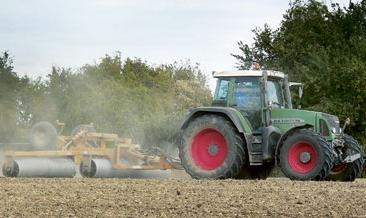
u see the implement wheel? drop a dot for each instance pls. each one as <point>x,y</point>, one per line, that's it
<point>212,148</point>
<point>348,171</point>
<point>43,136</point>
<point>306,155</point>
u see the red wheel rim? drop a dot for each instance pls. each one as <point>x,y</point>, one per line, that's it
<point>209,149</point>
<point>295,160</point>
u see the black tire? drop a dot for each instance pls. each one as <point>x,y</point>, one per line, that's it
<point>86,128</point>
<point>192,150</point>
<point>348,171</point>
<point>43,136</point>
<point>317,156</point>
<point>261,172</point>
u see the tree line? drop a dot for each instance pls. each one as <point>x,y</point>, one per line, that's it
<point>129,97</point>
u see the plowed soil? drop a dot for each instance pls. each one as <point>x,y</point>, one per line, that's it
<point>29,197</point>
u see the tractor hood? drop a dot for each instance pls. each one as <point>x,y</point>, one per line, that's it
<point>325,124</point>
<point>285,119</point>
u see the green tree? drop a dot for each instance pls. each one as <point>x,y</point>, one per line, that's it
<point>324,47</point>
<point>9,86</point>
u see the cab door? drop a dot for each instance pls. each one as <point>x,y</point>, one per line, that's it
<point>247,99</point>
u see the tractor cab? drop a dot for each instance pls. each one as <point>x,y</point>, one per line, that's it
<point>252,93</point>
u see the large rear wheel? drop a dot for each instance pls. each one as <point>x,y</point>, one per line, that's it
<point>306,155</point>
<point>348,171</point>
<point>212,148</point>
<point>43,136</point>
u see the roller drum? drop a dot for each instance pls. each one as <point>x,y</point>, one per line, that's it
<point>39,167</point>
<point>142,174</point>
<point>98,168</point>
<point>102,168</point>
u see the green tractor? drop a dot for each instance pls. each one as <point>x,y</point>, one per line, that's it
<point>252,126</point>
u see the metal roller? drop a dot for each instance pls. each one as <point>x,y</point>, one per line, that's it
<point>97,168</point>
<point>39,167</point>
<point>142,174</point>
<point>102,168</point>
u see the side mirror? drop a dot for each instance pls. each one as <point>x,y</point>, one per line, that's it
<point>300,91</point>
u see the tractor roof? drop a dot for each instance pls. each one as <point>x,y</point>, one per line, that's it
<point>244,73</point>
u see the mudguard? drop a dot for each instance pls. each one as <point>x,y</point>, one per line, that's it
<point>239,121</point>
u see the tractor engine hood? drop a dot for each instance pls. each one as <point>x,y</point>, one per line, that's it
<point>325,124</point>
<point>288,118</point>
<point>285,119</point>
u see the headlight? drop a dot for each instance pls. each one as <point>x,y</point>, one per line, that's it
<point>333,123</point>
<point>334,130</point>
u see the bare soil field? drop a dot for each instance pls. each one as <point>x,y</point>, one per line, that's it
<point>80,197</point>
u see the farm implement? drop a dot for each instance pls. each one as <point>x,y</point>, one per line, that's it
<point>93,154</point>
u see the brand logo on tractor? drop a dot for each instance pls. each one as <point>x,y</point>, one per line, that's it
<point>288,121</point>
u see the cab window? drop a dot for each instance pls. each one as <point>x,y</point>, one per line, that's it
<point>222,90</point>
<point>275,93</point>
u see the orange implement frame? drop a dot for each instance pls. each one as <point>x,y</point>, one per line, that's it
<point>83,146</point>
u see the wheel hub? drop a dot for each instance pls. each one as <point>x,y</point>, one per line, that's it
<point>213,149</point>
<point>209,149</point>
<point>302,157</point>
<point>305,157</point>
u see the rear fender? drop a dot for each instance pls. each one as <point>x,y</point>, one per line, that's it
<point>239,121</point>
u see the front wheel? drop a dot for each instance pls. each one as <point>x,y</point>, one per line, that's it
<point>212,148</point>
<point>306,155</point>
<point>348,171</point>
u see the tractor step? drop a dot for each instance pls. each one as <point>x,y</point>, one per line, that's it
<point>256,155</point>
<point>256,158</point>
<point>257,143</point>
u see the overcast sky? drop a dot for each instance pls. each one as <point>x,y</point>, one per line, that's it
<point>71,33</point>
